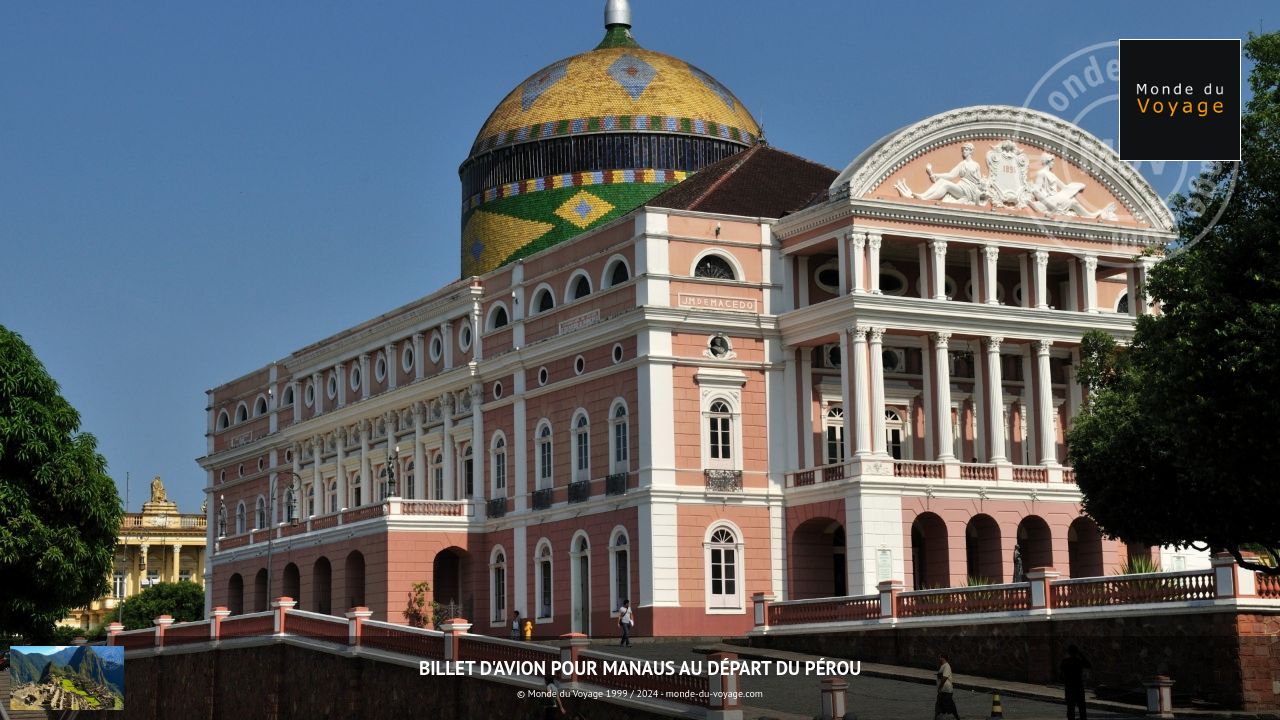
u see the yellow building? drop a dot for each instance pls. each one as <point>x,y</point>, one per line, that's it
<point>156,545</point>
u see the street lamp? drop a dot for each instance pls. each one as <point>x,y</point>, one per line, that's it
<point>272,524</point>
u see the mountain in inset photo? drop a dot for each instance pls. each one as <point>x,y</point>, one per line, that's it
<point>69,677</point>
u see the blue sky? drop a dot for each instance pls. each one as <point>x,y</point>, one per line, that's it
<point>189,191</point>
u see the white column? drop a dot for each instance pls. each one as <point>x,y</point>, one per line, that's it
<point>873,261</point>
<point>929,400</point>
<point>1131,282</point>
<point>975,274</point>
<point>1144,298</point>
<point>1073,286</point>
<point>446,337</point>
<point>848,401</point>
<point>1027,409</point>
<point>339,374</point>
<point>990,255</point>
<point>297,401</point>
<point>477,344</point>
<point>862,428</point>
<point>995,400</point>
<point>1024,278</point>
<point>177,556</point>
<point>365,378</point>
<point>478,445</point>
<point>842,264</point>
<point>804,418</point>
<point>1089,265</point>
<point>978,402</point>
<point>317,391</point>
<point>939,248</point>
<point>300,492</point>
<point>857,248</point>
<point>393,365</point>
<point>419,455</point>
<point>418,365</point>
<point>1042,279</point>
<point>942,424</point>
<point>877,391</point>
<point>923,256</point>
<point>366,474</point>
<point>446,446</point>
<point>1044,402</point>
<point>340,442</point>
<point>322,496</point>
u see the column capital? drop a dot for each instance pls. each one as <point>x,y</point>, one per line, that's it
<point>991,252</point>
<point>417,337</point>
<point>1042,346</point>
<point>447,325</point>
<point>993,343</point>
<point>941,339</point>
<point>858,332</point>
<point>1090,262</point>
<point>1041,257</point>
<point>939,247</point>
<point>874,238</point>
<point>876,334</point>
<point>364,357</point>
<point>857,237</point>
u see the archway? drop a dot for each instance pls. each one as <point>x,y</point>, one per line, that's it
<point>447,579</point>
<point>580,600</point>
<point>322,586</point>
<point>292,584</point>
<point>818,560</point>
<point>1084,548</point>
<point>982,550</point>
<point>930,565</point>
<point>1035,543</point>
<point>260,591</point>
<point>355,579</point>
<point>235,594</point>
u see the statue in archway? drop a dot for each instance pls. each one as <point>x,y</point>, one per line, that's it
<point>1017,564</point>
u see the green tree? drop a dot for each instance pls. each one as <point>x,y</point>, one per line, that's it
<point>1178,444</point>
<point>183,601</point>
<point>59,511</point>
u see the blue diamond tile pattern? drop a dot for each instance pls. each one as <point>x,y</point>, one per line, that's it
<point>538,84</point>
<point>633,74</point>
<point>714,85</point>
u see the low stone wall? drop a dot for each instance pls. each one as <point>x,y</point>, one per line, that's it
<point>284,682</point>
<point>1229,658</point>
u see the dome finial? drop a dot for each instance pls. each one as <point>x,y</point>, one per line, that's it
<point>617,12</point>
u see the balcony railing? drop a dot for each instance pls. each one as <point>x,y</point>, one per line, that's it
<point>725,481</point>
<point>495,507</point>
<point>542,499</point>
<point>616,484</point>
<point>919,469</point>
<point>579,491</point>
<point>1030,473</point>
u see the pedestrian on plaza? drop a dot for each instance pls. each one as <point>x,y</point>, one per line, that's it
<point>946,702</point>
<point>1074,667</point>
<point>626,619</point>
<point>515,625</point>
<point>554,707</point>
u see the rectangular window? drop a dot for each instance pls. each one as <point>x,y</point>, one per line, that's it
<point>468,475</point>
<point>500,470</point>
<point>184,576</point>
<point>117,585</point>
<point>620,444</point>
<point>499,593</point>
<point>439,482</point>
<point>153,578</point>
<point>720,438</point>
<point>544,605</point>
<point>544,465</point>
<point>620,569</point>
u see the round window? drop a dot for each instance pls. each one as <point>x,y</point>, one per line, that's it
<point>579,365</point>
<point>406,358</point>
<point>827,276</point>
<point>333,386</point>
<point>380,368</point>
<point>309,395</point>
<point>833,356</point>
<point>542,376</point>
<point>355,378</point>
<point>617,353</point>
<point>497,390</point>
<point>437,348</point>
<point>892,282</point>
<point>464,338</point>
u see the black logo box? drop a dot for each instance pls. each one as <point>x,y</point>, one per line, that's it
<point>1155,74</point>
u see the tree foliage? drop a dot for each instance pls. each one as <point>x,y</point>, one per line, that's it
<point>1179,442</point>
<point>59,511</point>
<point>183,601</point>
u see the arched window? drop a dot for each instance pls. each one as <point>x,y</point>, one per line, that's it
<point>579,287</point>
<point>498,584</point>
<point>288,394</point>
<point>260,407</point>
<point>468,473</point>
<point>1122,305</point>
<point>498,317</point>
<point>290,497</point>
<point>410,482</point>
<point>895,431</point>
<point>723,561</point>
<point>311,500</point>
<point>544,456</point>
<point>499,464</point>
<point>581,448</point>
<point>834,432</point>
<point>240,519</point>
<point>224,420</point>
<point>620,453</point>
<point>242,413</point>
<point>357,490</point>
<point>260,515</point>
<point>619,569</point>
<point>714,267</point>
<point>333,496</point>
<point>437,476</point>
<point>380,490</point>
<point>543,580</point>
<point>543,301</point>
<point>617,273</point>
<point>720,434</point>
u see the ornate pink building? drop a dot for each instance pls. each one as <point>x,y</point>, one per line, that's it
<point>686,367</point>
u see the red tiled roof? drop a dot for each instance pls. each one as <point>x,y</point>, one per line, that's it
<point>757,182</point>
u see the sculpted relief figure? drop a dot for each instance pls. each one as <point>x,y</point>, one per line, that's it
<point>964,184</point>
<point>1056,197</point>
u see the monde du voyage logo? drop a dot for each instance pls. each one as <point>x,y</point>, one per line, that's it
<point>1180,100</point>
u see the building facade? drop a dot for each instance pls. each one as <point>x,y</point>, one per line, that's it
<point>156,545</point>
<point>749,373</point>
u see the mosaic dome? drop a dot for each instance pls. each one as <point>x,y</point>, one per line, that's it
<point>588,139</point>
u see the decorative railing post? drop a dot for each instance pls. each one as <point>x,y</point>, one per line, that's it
<point>282,606</point>
<point>1159,697</point>
<point>220,613</point>
<point>454,629</point>
<point>834,698</point>
<point>571,647</point>
<point>1041,580</point>
<point>355,623</point>
<point>889,590</point>
<point>761,601</point>
<point>113,630</point>
<point>1229,581</point>
<point>723,703</point>
<point>162,622</point>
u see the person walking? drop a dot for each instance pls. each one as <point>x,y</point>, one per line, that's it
<point>1073,670</point>
<point>515,625</point>
<point>626,619</point>
<point>946,702</point>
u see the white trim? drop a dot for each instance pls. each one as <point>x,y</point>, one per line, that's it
<point>738,274</point>
<point>497,618</point>
<point>538,557</point>
<point>607,275</point>
<point>466,336</point>
<point>435,346</point>
<point>614,465</point>
<point>739,566</point>
<point>242,413</point>
<point>568,286</point>
<point>887,268</point>
<point>576,434</point>
<point>579,621</point>
<point>495,491</point>
<point>493,309</point>
<point>614,601</point>
<point>533,299</point>
<point>539,478</point>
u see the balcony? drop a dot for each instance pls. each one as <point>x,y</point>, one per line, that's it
<point>495,507</point>
<point>723,481</point>
<point>931,471</point>
<point>542,499</point>
<point>457,511</point>
<point>616,484</point>
<point>579,491</point>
